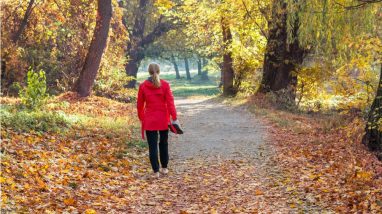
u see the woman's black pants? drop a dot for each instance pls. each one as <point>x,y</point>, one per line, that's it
<point>152,139</point>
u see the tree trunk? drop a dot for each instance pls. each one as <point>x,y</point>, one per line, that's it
<point>373,136</point>
<point>204,71</point>
<point>138,41</point>
<point>24,22</point>
<point>281,58</point>
<point>188,74</point>
<point>221,66</point>
<point>204,62</point>
<point>131,68</point>
<point>3,69</point>
<point>134,49</point>
<point>132,71</point>
<point>96,49</point>
<point>199,66</point>
<point>228,72</point>
<point>204,75</point>
<point>173,60</point>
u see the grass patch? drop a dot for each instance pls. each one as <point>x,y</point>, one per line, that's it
<point>137,143</point>
<point>195,90</point>
<point>118,129</point>
<point>108,124</point>
<point>37,120</point>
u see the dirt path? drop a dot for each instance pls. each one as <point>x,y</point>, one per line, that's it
<point>220,165</point>
<point>215,131</point>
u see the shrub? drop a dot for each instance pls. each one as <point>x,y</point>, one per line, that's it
<point>39,121</point>
<point>14,89</point>
<point>34,94</point>
<point>111,85</point>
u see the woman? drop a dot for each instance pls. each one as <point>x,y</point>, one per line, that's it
<point>155,106</point>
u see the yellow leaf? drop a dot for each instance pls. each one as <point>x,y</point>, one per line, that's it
<point>26,186</point>
<point>213,211</point>
<point>326,190</point>
<point>4,199</point>
<point>289,189</point>
<point>90,211</point>
<point>3,180</point>
<point>364,175</point>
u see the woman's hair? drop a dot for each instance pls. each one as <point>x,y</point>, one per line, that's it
<point>154,71</point>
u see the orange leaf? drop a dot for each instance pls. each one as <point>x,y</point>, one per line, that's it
<point>258,192</point>
<point>69,201</point>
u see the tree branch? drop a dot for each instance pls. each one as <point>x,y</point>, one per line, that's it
<point>254,19</point>
<point>362,3</point>
<point>159,30</point>
<point>24,22</point>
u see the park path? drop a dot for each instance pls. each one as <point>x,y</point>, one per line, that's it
<point>219,165</point>
<point>216,131</point>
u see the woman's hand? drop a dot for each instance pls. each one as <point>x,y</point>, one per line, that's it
<point>177,126</point>
<point>176,122</point>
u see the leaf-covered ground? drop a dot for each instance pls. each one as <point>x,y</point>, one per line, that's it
<point>299,164</point>
<point>82,169</point>
<point>323,159</point>
<point>330,169</point>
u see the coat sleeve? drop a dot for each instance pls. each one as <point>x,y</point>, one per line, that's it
<point>170,103</point>
<point>141,103</point>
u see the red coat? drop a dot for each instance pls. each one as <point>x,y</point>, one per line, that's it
<point>155,105</point>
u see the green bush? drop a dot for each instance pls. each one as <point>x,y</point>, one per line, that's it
<point>33,96</point>
<point>40,121</point>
